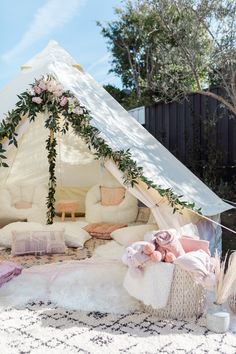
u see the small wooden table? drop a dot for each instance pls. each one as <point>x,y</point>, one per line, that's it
<point>67,206</point>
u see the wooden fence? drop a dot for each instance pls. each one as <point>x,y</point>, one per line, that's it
<point>196,130</point>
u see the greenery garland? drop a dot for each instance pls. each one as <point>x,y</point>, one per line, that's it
<point>47,96</point>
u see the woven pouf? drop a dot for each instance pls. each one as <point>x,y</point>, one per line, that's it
<point>186,298</point>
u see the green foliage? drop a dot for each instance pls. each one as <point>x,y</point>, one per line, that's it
<point>51,99</point>
<point>51,144</point>
<point>127,98</point>
<point>164,49</point>
<point>144,42</point>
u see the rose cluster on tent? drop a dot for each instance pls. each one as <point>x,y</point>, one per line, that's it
<point>83,181</point>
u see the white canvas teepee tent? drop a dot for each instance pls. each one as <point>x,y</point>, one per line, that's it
<point>117,127</point>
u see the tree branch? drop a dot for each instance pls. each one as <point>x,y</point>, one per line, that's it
<point>220,99</point>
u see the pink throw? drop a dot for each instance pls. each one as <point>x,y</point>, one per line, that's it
<point>168,240</point>
<point>200,266</point>
<point>8,270</point>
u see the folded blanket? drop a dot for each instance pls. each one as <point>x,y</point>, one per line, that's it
<point>200,266</point>
<point>103,231</point>
<point>189,244</point>
<point>8,270</point>
<point>168,240</point>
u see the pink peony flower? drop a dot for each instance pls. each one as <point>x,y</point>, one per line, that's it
<point>42,85</point>
<point>63,101</point>
<point>37,100</point>
<point>52,86</point>
<point>37,89</point>
<point>57,93</point>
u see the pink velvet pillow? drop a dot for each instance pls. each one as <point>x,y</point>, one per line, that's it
<point>112,196</point>
<point>189,244</point>
<point>37,242</point>
<point>23,205</point>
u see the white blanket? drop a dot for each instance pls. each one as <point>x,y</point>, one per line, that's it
<point>153,286</point>
<point>94,284</point>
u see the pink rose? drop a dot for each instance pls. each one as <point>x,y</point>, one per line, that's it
<point>42,85</point>
<point>63,101</point>
<point>37,100</point>
<point>37,89</point>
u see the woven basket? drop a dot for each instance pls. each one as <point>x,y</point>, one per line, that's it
<point>186,298</point>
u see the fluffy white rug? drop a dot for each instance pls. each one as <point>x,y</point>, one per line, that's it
<point>40,328</point>
<point>90,285</point>
<point>111,250</point>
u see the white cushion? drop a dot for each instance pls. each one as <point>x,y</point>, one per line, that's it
<point>6,231</point>
<point>21,192</point>
<point>77,239</point>
<point>40,195</point>
<point>10,195</point>
<point>125,212</point>
<point>131,234</point>
<point>5,198</point>
<point>74,235</point>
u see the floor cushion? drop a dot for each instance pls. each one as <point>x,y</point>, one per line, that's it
<point>102,230</point>
<point>131,234</point>
<point>125,212</point>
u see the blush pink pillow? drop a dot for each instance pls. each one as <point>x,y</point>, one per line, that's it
<point>189,244</point>
<point>23,205</point>
<point>112,196</point>
<point>37,242</point>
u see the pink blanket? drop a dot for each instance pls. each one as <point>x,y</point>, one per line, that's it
<point>168,240</point>
<point>8,270</point>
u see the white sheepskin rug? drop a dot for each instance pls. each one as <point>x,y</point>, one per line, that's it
<point>91,285</point>
<point>111,250</point>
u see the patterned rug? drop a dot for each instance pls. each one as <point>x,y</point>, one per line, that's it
<point>45,329</point>
<point>71,254</point>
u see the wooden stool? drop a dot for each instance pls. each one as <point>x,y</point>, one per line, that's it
<point>67,206</point>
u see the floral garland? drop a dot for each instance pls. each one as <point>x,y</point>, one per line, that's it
<point>47,95</point>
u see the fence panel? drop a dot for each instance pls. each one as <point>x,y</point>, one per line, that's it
<point>195,128</point>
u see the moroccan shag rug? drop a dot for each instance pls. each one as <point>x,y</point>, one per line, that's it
<point>44,328</point>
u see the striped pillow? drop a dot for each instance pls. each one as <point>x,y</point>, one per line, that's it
<point>37,242</point>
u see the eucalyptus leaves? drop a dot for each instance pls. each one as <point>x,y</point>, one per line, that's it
<point>62,109</point>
